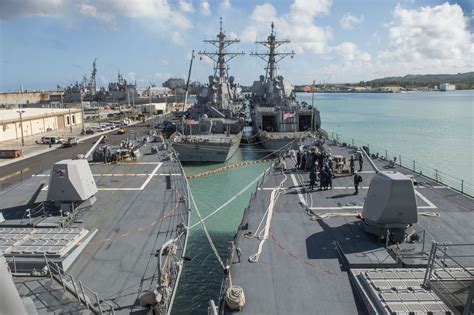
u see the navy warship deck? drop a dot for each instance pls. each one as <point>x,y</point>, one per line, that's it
<point>141,205</point>
<point>317,259</point>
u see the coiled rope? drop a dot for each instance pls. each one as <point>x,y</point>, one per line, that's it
<point>263,233</point>
<point>234,296</point>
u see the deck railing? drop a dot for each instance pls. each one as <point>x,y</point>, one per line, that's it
<point>86,296</point>
<point>405,161</point>
<point>448,274</point>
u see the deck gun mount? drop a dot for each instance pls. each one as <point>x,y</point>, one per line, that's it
<point>390,208</point>
<point>71,184</point>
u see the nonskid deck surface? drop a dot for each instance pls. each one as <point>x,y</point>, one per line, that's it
<point>299,270</point>
<point>134,215</point>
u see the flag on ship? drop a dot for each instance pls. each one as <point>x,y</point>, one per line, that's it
<point>287,116</point>
<point>191,122</point>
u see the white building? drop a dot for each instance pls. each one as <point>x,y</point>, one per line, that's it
<point>35,121</point>
<point>447,87</point>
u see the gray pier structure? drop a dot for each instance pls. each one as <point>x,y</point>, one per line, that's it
<point>111,254</point>
<point>310,252</point>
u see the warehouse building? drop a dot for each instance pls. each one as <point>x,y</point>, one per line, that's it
<point>35,121</point>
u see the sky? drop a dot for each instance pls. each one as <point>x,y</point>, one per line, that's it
<point>45,43</point>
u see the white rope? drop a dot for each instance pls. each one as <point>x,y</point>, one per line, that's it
<point>269,214</point>
<point>230,200</point>
<point>211,243</point>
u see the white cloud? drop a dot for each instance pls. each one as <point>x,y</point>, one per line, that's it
<point>176,38</point>
<point>131,76</point>
<point>298,25</point>
<point>164,61</point>
<point>205,8</point>
<point>159,11</point>
<point>350,52</point>
<point>226,4</point>
<point>349,21</point>
<point>435,38</point>
<point>186,6</point>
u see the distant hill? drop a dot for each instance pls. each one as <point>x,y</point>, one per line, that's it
<point>462,80</point>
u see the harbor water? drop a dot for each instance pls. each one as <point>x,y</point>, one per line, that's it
<point>433,128</point>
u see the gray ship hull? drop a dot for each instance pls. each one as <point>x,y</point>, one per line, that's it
<point>207,150</point>
<point>277,141</point>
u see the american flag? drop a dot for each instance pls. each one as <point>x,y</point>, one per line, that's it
<point>191,122</point>
<point>287,116</point>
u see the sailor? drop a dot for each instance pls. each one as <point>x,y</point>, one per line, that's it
<point>329,178</point>
<point>361,161</point>
<point>312,179</point>
<point>357,181</point>
<point>323,179</point>
<point>352,164</point>
<point>321,160</point>
<point>298,158</point>
<point>104,150</point>
<point>303,161</point>
<point>309,161</point>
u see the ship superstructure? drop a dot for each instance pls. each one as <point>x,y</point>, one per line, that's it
<point>277,118</point>
<point>212,129</point>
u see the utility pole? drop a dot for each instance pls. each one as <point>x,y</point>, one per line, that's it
<point>70,120</point>
<point>21,126</point>
<point>313,88</point>
<point>187,82</point>
<point>82,111</point>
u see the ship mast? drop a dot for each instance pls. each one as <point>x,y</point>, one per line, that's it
<point>272,57</point>
<point>221,57</point>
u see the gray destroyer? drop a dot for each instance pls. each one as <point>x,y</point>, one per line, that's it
<point>212,129</point>
<point>277,118</point>
<point>402,245</point>
<point>97,236</point>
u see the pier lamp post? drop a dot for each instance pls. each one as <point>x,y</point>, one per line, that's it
<point>82,112</point>
<point>21,126</point>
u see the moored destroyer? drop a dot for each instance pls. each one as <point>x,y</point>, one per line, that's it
<point>402,244</point>
<point>212,128</point>
<point>277,118</point>
<point>106,235</point>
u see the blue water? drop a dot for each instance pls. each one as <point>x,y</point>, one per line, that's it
<point>433,128</point>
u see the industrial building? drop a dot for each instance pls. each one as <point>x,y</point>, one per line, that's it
<point>25,122</point>
<point>447,87</point>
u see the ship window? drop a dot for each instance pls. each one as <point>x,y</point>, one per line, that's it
<point>304,122</point>
<point>269,123</point>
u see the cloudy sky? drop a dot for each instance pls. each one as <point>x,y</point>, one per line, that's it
<point>48,42</point>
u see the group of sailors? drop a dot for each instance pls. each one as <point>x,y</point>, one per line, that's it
<point>320,165</point>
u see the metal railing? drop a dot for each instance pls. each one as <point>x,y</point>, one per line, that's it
<point>86,296</point>
<point>409,163</point>
<point>449,260</point>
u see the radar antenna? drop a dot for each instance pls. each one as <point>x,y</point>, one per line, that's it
<point>221,56</point>
<point>272,57</point>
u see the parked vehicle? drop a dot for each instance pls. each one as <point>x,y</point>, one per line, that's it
<point>50,140</point>
<point>71,141</point>
<point>90,131</point>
